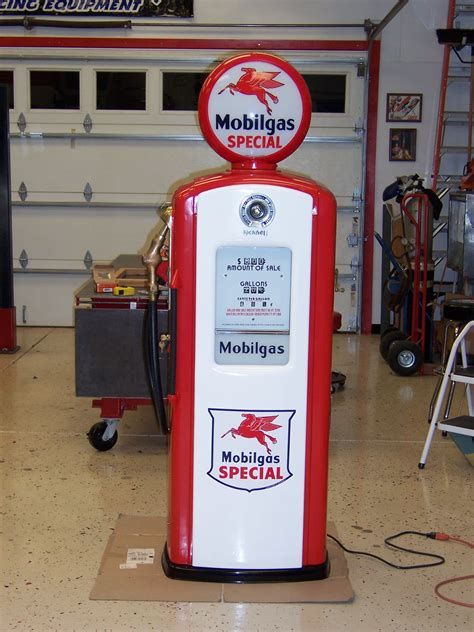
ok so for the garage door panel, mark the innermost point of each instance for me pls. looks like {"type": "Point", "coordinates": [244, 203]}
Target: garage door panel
{"type": "Point", "coordinates": [151, 168]}
{"type": "Point", "coordinates": [132, 161]}
{"type": "Point", "coordinates": [51, 294]}
{"type": "Point", "coordinates": [103, 232]}
{"type": "Point", "coordinates": [337, 166]}
{"type": "Point", "coordinates": [111, 167]}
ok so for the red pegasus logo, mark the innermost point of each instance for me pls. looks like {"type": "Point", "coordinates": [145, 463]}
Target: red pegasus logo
{"type": "Point", "coordinates": [254, 83]}
{"type": "Point", "coordinates": [254, 428]}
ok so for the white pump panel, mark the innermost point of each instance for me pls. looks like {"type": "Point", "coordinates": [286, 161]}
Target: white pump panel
{"type": "Point", "coordinates": [248, 503]}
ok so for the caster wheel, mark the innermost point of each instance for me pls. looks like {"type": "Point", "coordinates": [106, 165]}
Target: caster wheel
{"type": "Point", "coordinates": [404, 357]}
{"type": "Point", "coordinates": [444, 433]}
{"type": "Point", "coordinates": [421, 466]}
{"type": "Point", "coordinates": [95, 435]}
{"type": "Point", "coordinates": [387, 339]}
{"type": "Point", "coordinates": [337, 381]}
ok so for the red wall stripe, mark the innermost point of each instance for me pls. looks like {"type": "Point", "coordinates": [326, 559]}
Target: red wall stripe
{"type": "Point", "coordinates": [25, 41]}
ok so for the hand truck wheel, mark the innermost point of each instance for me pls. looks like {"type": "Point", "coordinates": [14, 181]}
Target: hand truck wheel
{"type": "Point", "coordinates": [405, 357]}
{"type": "Point", "coordinates": [387, 339]}
{"type": "Point", "coordinates": [387, 330]}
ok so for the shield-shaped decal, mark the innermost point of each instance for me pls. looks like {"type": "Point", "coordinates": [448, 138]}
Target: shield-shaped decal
{"type": "Point", "coordinates": [250, 449]}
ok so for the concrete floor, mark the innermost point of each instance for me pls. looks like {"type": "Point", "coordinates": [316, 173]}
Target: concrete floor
{"type": "Point", "coordinates": [61, 499]}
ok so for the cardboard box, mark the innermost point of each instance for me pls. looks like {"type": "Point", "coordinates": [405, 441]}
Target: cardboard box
{"type": "Point", "coordinates": [131, 570]}
{"type": "Point", "coordinates": [107, 288]}
{"type": "Point", "coordinates": [134, 277]}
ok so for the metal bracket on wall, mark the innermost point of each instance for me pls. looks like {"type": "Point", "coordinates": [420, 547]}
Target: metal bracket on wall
{"type": "Point", "coordinates": [87, 123]}
{"type": "Point", "coordinates": [22, 191]}
{"type": "Point", "coordinates": [21, 122]}
{"type": "Point", "coordinates": [356, 195]}
{"type": "Point", "coordinates": [88, 261]}
{"type": "Point", "coordinates": [373, 30]}
{"type": "Point", "coordinates": [355, 266]}
{"type": "Point", "coordinates": [353, 240]}
{"type": "Point", "coordinates": [337, 287]}
{"type": "Point", "coordinates": [348, 209]}
{"type": "Point", "coordinates": [359, 127]}
{"type": "Point", "coordinates": [352, 323]}
{"type": "Point", "coordinates": [361, 69]}
{"type": "Point", "coordinates": [88, 192]}
{"type": "Point", "coordinates": [23, 259]}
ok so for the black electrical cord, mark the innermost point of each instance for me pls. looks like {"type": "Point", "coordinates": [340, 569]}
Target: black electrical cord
{"type": "Point", "coordinates": [389, 542]}
{"type": "Point", "coordinates": [153, 365]}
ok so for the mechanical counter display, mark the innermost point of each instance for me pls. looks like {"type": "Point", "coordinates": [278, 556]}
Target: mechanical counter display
{"type": "Point", "coordinates": [252, 262]}
{"type": "Point", "coordinates": [252, 305]}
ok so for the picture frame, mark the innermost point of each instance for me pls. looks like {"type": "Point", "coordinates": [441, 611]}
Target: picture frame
{"type": "Point", "coordinates": [404, 108]}
{"type": "Point", "coordinates": [402, 144]}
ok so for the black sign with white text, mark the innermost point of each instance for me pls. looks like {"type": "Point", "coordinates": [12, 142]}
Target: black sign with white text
{"type": "Point", "coordinates": [99, 8]}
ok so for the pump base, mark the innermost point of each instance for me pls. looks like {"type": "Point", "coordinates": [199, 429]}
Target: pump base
{"type": "Point", "coordinates": [243, 575]}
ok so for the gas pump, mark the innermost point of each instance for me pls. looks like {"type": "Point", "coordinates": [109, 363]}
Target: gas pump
{"type": "Point", "coordinates": [251, 292]}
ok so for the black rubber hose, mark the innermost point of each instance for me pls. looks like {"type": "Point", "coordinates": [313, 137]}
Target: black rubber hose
{"type": "Point", "coordinates": [153, 366]}
{"type": "Point", "coordinates": [173, 328]}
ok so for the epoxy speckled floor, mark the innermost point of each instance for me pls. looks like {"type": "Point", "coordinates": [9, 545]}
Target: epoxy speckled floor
{"type": "Point", "coordinates": [61, 498]}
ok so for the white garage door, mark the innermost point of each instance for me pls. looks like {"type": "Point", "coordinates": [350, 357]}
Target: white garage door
{"type": "Point", "coordinates": [98, 141]}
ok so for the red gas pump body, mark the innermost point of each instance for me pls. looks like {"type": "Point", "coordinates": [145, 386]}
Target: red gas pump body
{"type": "Point", "coordinates": [192, 413]}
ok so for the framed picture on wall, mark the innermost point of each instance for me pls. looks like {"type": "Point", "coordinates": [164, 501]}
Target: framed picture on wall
{"type": "Point", "coordinates": [403, 145]}
{"type": "Point", "coordinates": [404, 108]}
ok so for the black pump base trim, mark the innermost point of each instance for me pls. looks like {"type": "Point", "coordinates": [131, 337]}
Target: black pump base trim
{"type": "Point", "coordinates": [241, 575]}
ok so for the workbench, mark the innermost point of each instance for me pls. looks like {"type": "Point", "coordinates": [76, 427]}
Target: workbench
{"type": "Point", "coordinates": [109, 343]}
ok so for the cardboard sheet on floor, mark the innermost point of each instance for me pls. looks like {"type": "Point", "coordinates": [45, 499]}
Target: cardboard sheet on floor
{"type": "Point", "coordinates": [137, 538]}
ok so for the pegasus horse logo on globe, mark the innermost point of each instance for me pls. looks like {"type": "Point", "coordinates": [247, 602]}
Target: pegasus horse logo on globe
{"type": "Point", "coordinates": [255, 83]}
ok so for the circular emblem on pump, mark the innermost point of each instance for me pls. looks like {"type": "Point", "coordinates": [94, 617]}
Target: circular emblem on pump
{"type": "Point", "coordinates": [254, 109]}
{"type": "Point", "coordinates": [257, 210]}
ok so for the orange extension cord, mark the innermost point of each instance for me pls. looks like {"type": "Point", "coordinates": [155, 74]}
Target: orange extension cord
{"type": "Point", "coordinates": [445, 536]}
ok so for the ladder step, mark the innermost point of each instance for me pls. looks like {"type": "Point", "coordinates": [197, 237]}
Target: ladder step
{"type": "Point", "coordinates": [459, 115]}
{"type": "Point", "coordinates": [462, 425]}
{"type": "Point", "coordinates": [464, 7]}
{"type": "Point", "coordinates": [463, 374]}
{"type": "Point", "coordinates": [454, 149]}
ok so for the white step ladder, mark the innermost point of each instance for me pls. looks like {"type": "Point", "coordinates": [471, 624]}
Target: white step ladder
{"type": "Point", "coordinates": [453, 374]}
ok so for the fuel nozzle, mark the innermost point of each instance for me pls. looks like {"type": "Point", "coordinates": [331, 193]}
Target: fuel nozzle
{"type": "Point", "coordinates": [152, 258]}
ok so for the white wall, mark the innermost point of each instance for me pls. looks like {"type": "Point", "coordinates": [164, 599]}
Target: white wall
{"type": "Point", "coordinates": [411, 61]}
{"type": "Point", "coordinates": [290, 11]}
